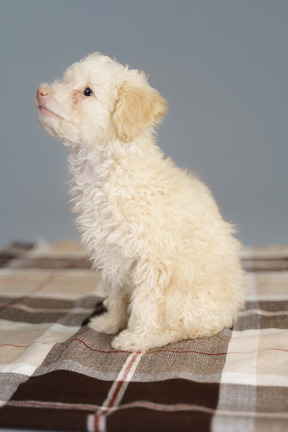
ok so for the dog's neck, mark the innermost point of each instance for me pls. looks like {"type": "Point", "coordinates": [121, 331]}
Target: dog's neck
{"type": "Point", "coordinates": [87, 167]}
{"type": "Point", "coordinates": [90, 168]}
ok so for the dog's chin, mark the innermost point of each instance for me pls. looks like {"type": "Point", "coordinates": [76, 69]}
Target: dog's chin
{"type": "Point", "coordinates": [49, 122]}
{"type": "Point", "coordinates": [59, 128]}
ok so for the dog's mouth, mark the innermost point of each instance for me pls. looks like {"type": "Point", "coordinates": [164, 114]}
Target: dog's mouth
{"type": "Point", "coordinates": [44, 109]}
{"type": "Point", "coordinates": [46, 112]}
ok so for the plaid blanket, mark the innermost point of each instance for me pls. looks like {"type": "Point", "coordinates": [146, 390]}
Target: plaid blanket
{"type": "Point", "coordinates": [56, 373]}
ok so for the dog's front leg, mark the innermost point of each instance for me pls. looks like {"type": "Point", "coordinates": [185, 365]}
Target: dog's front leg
{"type": "Point", "coordinates": [147, 325]}
{"type": "Point", "coordinates": [115, 318]}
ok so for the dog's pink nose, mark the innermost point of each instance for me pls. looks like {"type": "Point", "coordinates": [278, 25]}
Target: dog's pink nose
{"type": "Point", "coordinates": [43, 92]}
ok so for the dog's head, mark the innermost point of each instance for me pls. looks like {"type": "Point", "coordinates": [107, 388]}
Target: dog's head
{"type": "Point", "coordinates": [99, 100]}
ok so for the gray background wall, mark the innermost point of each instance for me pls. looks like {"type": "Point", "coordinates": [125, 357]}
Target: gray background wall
{"type": "Point", "coordinates": [223, 67]}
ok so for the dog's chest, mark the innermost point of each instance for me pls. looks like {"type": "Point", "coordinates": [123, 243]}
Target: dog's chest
{"type": "Point", "coordinates": [90, 201]}
{"type": "Point", "coordinates": [99, 219]}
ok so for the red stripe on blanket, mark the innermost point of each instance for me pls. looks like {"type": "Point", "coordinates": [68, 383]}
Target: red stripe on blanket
{"type": "Point", "coordinates": [181, 351]}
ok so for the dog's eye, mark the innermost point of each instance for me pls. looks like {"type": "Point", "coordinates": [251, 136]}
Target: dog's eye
{"type": "Point", "coordinates": [88, 92]}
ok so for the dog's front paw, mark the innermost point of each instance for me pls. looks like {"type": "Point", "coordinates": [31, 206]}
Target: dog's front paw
{"type": "Point", "coordinates": [105, 323]}
{"type": "Point", "coordinates": [129, 341]}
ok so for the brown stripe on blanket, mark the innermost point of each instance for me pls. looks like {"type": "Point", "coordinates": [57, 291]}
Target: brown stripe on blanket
{"type": "Point", "coordinates": [266, 395]}
{"type": "Point", "coordinates": [263, 314]}
{"type": "Point", "coordinates": [63, 387]}
{"type": "Point", "coordinates": [34, 416]}
{"type": "Point", "coordinates": [13, 251]}
{"type": "Point", "coordinates": [51, 263]}
{"type": "Point", "coordinates": [158, 420]}
{"type": "Point", "coordinates": [265, 264]}
{"type": "Point", "coordinates": [274, 314]}
{"type": "Point", "coordinates": [45, 310]}
{"type": "Point", "coordinates": [186, 392]}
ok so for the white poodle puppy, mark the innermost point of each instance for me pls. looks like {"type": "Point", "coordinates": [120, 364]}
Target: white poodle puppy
{"type": "Point", "coordinates": [168, 261]}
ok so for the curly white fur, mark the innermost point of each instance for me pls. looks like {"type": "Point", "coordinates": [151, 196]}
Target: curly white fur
{"type": "Point", "coordinates": [168, 261]}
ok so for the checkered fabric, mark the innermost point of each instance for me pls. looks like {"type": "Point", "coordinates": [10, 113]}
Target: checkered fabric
{"type": "Point", "coordinates": [56, 373]}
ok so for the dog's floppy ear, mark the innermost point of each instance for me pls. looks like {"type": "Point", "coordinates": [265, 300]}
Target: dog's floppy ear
{"type": "Point", "coordinates": [136, 109]}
